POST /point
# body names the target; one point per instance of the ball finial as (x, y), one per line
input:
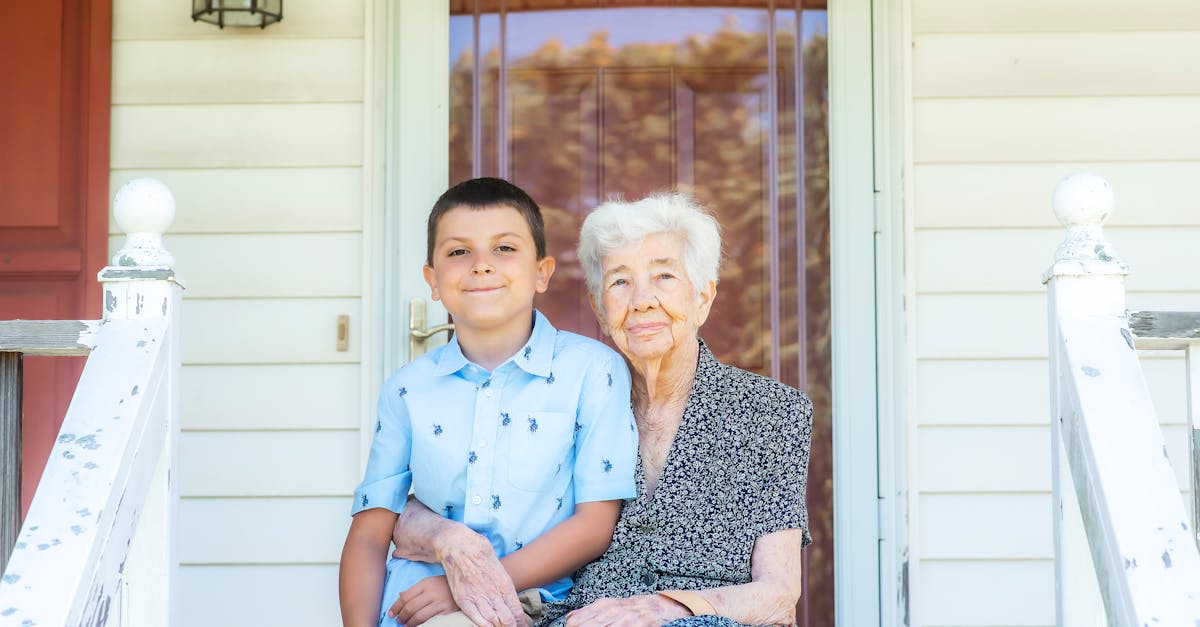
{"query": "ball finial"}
(1083, 199)
(144, 208)
(1082, 203)
(144, 205)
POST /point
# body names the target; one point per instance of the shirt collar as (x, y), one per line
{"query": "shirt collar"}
(534, 357)
(450, 358)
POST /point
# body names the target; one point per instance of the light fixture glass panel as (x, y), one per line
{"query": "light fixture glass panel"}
(257, 13)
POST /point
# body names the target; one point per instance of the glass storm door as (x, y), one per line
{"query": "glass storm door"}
(578, 101)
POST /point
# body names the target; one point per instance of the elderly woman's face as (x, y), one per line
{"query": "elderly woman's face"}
(649, 305)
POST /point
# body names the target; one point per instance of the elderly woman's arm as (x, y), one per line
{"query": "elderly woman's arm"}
(481, 586)
(477, 580)
(769, 599)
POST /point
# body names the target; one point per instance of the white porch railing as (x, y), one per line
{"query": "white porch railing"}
(96, 546)
(1125, 553)
(1178, 331)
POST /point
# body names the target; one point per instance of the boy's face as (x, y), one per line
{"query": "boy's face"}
(485, 269)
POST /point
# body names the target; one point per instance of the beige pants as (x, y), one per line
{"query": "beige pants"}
(531, 602)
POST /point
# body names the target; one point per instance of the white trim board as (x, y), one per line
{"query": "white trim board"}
(408, 148)
(864, 234)
(893, 259)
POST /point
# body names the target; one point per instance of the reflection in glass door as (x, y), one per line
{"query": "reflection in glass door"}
(578, 101)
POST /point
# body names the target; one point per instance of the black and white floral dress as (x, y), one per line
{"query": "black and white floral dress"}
(736, 471)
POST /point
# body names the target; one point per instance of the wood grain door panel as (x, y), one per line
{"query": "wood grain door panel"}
(54, 125)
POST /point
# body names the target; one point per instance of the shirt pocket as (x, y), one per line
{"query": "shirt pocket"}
(538, 444)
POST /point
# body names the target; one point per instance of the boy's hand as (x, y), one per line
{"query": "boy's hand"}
(427, 598)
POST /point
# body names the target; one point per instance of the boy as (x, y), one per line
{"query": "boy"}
(521, 432)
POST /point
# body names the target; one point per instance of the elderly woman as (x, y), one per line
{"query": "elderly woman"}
(715, 532)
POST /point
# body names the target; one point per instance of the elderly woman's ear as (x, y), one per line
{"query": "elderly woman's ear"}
(704, 301)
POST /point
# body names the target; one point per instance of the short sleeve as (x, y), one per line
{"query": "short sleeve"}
(605, 435)
(784, 460)
(387, 478)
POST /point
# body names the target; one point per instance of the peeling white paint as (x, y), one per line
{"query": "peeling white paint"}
(73, 553)
(1108, 450)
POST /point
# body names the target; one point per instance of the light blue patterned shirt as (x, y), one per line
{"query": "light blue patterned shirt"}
(507, 452)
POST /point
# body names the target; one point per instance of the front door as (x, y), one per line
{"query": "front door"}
(724, 100)
(53, 192)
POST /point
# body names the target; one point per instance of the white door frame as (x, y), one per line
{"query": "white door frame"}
(406, 168)
(852, 265)
(870, 461)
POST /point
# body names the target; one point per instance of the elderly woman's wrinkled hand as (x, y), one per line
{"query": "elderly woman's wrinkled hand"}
(478, 582)
(638, 611)
(481, 587)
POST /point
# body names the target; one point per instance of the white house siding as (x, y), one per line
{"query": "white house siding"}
(1007, 97)
(259, 134)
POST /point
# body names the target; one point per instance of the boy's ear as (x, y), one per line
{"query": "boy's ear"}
(545, 268)
(704, 302)
(599, 314)
(431, 279)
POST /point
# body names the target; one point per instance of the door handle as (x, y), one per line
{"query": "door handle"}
(417, 333)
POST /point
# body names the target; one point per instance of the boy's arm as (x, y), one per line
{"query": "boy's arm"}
(360, 578)
(382, 493)
(565, 547)
(480, 586)
(487, 585)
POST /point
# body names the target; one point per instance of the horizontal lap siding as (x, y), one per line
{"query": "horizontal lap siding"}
(237, 135)
(1093, 16)
(1007, 65)
(258, 200)
(1008, 97)
(242, 589)
(1015, 195)
(270, 396)
(1016, 593)
(259, 135)
(262, 531)
(254, 71)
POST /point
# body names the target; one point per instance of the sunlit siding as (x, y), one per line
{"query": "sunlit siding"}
(1007, 98)
(259, 134)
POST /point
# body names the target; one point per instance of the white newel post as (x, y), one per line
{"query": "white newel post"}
(1087, 278)
(97, 544)
(142, 284)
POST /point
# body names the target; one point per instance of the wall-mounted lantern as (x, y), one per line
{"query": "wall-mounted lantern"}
(224, 13)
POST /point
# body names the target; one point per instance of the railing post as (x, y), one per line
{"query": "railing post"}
(142, 284)
(1087, 278)
(10, 452)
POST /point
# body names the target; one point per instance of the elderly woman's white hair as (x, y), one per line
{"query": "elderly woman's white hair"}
(617, 224)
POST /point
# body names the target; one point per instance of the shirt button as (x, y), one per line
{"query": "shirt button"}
(488, 392)
(476, 500)
(483, 444)
(649, 579)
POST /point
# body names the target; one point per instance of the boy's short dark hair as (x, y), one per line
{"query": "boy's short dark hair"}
(486, 192)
